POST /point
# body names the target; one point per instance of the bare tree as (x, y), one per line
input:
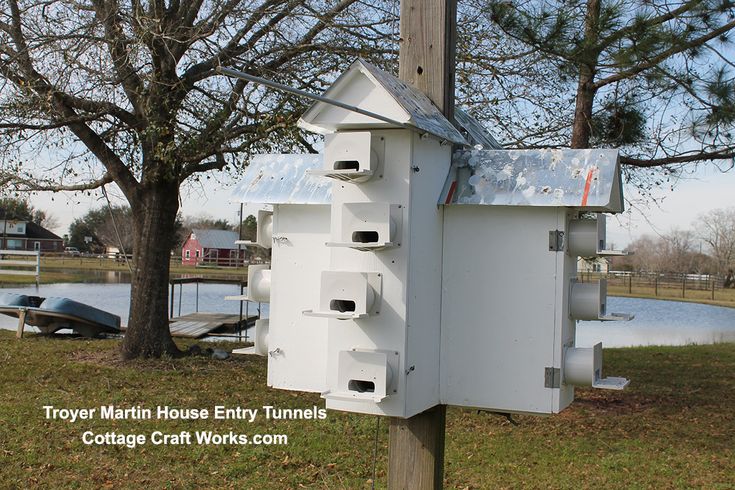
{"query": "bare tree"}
(115, 229)
(127, 92)
(717, 229)
(645, 257)
(677, 251)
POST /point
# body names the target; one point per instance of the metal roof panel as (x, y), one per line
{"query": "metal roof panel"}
(585, 179)
(282, 179)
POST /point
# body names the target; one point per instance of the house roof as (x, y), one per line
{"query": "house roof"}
(221, 239)
(369, 88)
(39, 232)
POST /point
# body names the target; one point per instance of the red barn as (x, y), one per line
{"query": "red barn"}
(211, 247)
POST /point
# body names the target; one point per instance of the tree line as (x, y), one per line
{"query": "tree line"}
(110, 227)
(707, 248)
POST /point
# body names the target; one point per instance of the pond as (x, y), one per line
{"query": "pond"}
(115, 298)
(659, 322)
(656, 322)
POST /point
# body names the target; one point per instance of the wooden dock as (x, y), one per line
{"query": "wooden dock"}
(195, 325)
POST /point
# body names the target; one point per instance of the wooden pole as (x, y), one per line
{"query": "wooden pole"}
(428, 49)
(416, 451)
(426, 61)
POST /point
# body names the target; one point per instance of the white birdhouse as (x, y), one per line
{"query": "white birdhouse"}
(405, 276)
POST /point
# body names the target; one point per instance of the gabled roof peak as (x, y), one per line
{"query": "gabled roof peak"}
(369, 88)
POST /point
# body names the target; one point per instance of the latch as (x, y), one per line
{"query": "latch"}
(552, 377)
(556, 241)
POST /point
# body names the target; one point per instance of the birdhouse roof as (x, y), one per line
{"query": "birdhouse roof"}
(474, 132)
(369, 88)
(584, 179)
(282, 179)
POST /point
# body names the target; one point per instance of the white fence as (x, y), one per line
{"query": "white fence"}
(20, 263)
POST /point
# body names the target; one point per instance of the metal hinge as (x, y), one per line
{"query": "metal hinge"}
(556, 241)
(552, 377)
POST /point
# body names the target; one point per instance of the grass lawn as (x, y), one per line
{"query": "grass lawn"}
(673, 428)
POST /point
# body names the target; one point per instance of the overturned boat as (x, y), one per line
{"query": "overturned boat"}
(52, 314)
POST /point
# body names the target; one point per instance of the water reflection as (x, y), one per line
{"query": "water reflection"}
(659, 322)
(115, 298)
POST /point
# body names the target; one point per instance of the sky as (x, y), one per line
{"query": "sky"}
(704, 190)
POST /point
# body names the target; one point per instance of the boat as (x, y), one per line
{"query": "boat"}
(52, 314)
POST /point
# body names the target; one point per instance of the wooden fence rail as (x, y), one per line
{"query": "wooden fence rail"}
(669, 285)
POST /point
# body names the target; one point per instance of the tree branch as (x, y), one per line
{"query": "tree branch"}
(654, 21)
(107, 14)
(727, 154)
(663, 56)
(7, 179)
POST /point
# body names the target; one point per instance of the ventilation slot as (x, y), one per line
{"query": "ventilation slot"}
(361, 386)
(365, 236)
(342, 305)
(347, 165)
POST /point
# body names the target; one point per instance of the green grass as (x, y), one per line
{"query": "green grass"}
(673, 428)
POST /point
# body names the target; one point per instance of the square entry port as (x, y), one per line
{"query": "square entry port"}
(348, 295)
(365, 375)
(367, 226)
(350, 156)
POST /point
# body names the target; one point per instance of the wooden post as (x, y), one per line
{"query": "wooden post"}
(427, 55)
(713, 288)
(416, 451)
(426, 61)
(173, 292)
(655, 286)
(21, 323)
(683, 285)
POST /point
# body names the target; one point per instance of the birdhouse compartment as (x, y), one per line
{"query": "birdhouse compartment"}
(368, 226)
(348, 295)
(365, 375)
(352, 156)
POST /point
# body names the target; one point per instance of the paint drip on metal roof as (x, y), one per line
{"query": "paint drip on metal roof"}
(586, 179)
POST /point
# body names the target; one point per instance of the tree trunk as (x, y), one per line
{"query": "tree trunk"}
(154, 229)
(582, 125)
